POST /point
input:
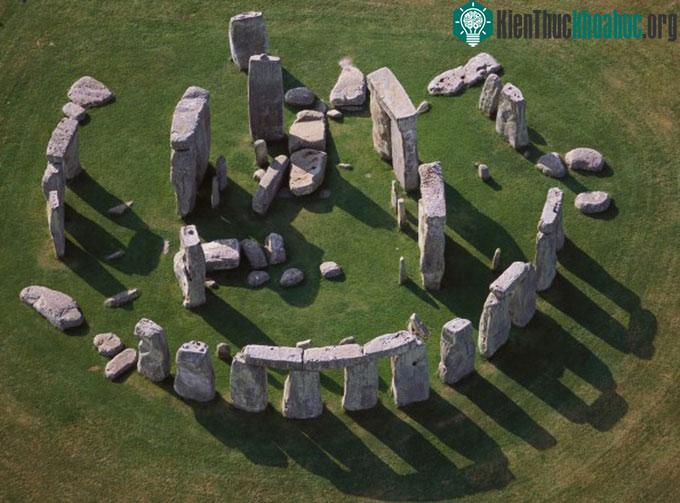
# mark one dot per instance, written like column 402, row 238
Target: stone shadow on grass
column 88, row 268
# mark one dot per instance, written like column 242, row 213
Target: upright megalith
column 195, row 378
column 511, row 121
column 189, row 267
column 456, row 350
column 269, row 184
column 549, row 239
column 153, row 360
column 248, row 384
column 361, row 386
column 265, row 97
column 349, row 92
column 302, row 395
column 247, row 37
column 55, row 222
column 410, row 377
column 394, row 126
column 63, row 149
column 431, row 225
column 488, row 99
column 53, row 179
column 190, row 146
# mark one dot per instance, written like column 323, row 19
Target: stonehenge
column 190, row 146
column 153, row 360
column 291, row 277
column 307, row 131
column 195, row 378
column 584, row 159
column 254, row 253
column 122, row 298
column 221, row 172
column 302, row 395
column 402, row 222
column 456, row 80
column 349, row 92
column 190, row 268
column 88, row 92
column 56, row 307
column 55, row 222
column 247, row 37
column 330, row 270
column 248, row 384
column 431, row 225
column 307, row 172
column 63, row 149
column 108, row 344
column 592, row 202
column 269, row 184
column 549, row 239
column 551, row 165
column 265, row 97
column 511, row 121
column 261, row 153
column 488, row 99
column 410, row 376
column 73, row 111
column 221, row 254
column 417, row 326
column 457, row 351
column 275, row 248
column 394, row 126
column 403, row 275
column 120, row 364
column 299, row 97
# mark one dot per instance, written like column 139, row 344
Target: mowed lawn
column 581, row 404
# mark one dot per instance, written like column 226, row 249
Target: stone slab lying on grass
column 291, row 277
column 448, row 83
column 308, row 169
column 307, row 131
column 108, row 344
column 592, row 202
column 299, row 97
column 269, row 184
column 349, row 92
column 551, row 165
column 56, row 307
column 120, row 364
column 73, row 111
column 479, row 67
column 254, row 253
column 88, row 92
column 122, row 298
column 222, row 254
column 256, row 279
column 585, row 159
column 330, row 270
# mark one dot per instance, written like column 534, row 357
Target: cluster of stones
column 580, row 159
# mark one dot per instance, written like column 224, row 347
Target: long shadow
column 90, row 270
column 538, row 356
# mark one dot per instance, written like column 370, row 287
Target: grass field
column 580, row 405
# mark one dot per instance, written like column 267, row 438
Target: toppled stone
column 592, row 202
column 88, row 92
column 211, row 283
column 221, row 173
column 390, row 344
column 108, row 344
column 222, row 254
column 403, row 275
column 56, row 307
column 551, row 165
column 417, row 327
column 275, row 248
column 308, row 169
column 247, row 37
column 448, row 83
column 496, row 260
column 194, row 379
column 55, row 221
column 258, row 174
column 483, row 172
column 291, row 277
column 423, row 107
column 457, row 351
column 189, row 267
column 585, row 159
column 307, row 131
column 265, row 97
column 347, row 340
column 261, row 153
column 361, row 386
column 248, row 385
column 122, row 298
column 253, row 252
column 299, row 97
column 154, row 354
column 73, row 111
column 256, row 279
column 345, row 165
column 330, row 270
column 115, row 255
column 479, row 67
column 349, row 92
column 120, row 208
column 270, row 183
column 431, row 225
column 120, row 364
column 332, row 357
column 302, row 395
column 336, row 115
column 402, row 221
column 488, row 99
column 275, row 357
column 410, row 377
column 511, row 117
column 63, row 150
column 223, row 351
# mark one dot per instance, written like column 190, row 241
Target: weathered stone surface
column 417, row 327
column 402, row 221
column 511, row 119
column 291, row 277
column 545, row 260
column 361, row 386
column 585, row 159
column 302, row 395
column 63, row 150
column 55, row 221
column 551, row 165
column 222, row 254
column 488, row 99
column 494, row 325
column 299, row 97
column 88, row 92
column 330, row 270
column 275, row 357
column 73, row 111
column 382, row 127
column 320, row 106
column 189, row 267
column 247, row 37
column 215, row 193
column 523, row 301
column 221, row 172
column 592, row 202
column 261, row 153
column 457, row 351
column 511, row 278
column 551, row 216
column 108, row 344
column 431, row 225
column 253, row 252
column 496, row 260
column 56, row 307
column 479, row 67
column 256, row 279
column 349, row 91
column 194, row 379
column 119, row 209
column 308, row 169
column 394, row 195
column 347, row 340
column 410, row 377
column 403, row 275
column 122, row 298
column 275, row 248
column 483, row 172
column 154, row 354
column 269, row 184
column 248, row 385
column 336, row 115
column 423, row 107
column 332, row 357
column 53, row 179
column 307, row 131
column 258, row 174
column 265, row 97
column 120, row 364
column 223, row 351
column 390, row 344
column 448, row 83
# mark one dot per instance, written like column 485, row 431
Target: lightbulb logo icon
column 472, row 23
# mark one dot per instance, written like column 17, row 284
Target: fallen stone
column 307, row 131
column 488, row 99
column 258, row 174
column 479, row 67
column 410, row 377
column 592, row 202
column 73, row 111
column 248, row 385
column 417, row 327
column 166, row 247
column 496, row 260
column 346, row 166
column 253, row 252
column 423, row 107
column 275, row 357
column 431, row 225
column 457, row 351
column 332, row 357
column 122, row 298
column 223, row 351
column 308, row 169
column 390, row 344
column 221, row 173
column 247, row 37
column 261, row 153
column 403, row 275
column 350, row 89
column 265, row 97
column 194, row 379
column 55, row 221
column 256, row 279
column 361, row 386
column 330, row 270
column 56, row 307
column 585, row 159
column 448, row 83
column 221, row 254
column 275, row 248
column 336, row 115
column 88, row 92
column 190, row 268
column 483, row 172
column 154, row 354
column 120, row 208
column 63, row 150
column 302, row 395
column 291, row 277
column 269, row 184
column 347, row 340
column 511, row 117
column 120, row 364
column 212, row 284
column 551, row 165
column 299, row 97
column 108, row 344
column 115, row 255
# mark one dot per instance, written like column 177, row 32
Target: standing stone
column 431, row 225
column 108, row 344
column 248, row 385
column 189, row 267
column 89, row 92
column 417, row 327
column 545, row 260
column 261, row 153
column 63, row 150
column 55, row 222
column 403, row 275
column 265, row 97
column 302, row 395
column 56, row 307
column 269, row 184
column 307, row 131
column 401, row 214
column 349, row 92
column 53, row 179
column 496, row 260
column 195, row 379
column 120, row 364
column 361, row 386
column 511, row 119
column 154, row 356
column 457, row 351
column 410, row 377
column 488, row 100
column 215, row 193
column 221, row 254
column 394, row 195
column 254, row 254
column 494, row 325
column 382, row 129
column 275, row 248
column 483, row 172
column 247, row 37
column 592, row 202
column 307, row 172
column 523, row 300
column 221, row 172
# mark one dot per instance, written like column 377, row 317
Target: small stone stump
column 248, row 385
column 195, row 379
column 154, row 354
column 410, row 377
column 361, row 386
column 457, row 351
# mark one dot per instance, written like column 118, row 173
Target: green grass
column 582, row 404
